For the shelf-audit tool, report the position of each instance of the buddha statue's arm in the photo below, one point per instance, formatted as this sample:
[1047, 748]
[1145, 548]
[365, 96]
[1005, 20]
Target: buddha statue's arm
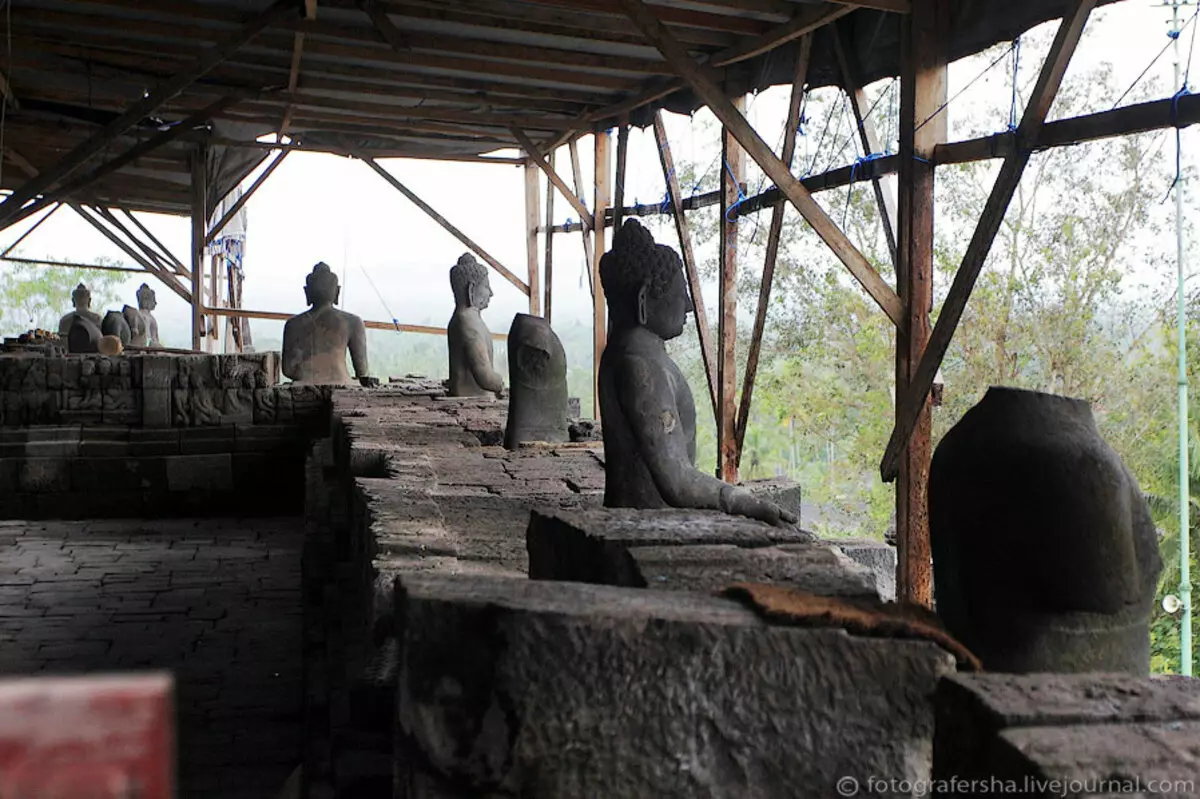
[648, 403]
[358, 350]
[291, 356]
[477, 346]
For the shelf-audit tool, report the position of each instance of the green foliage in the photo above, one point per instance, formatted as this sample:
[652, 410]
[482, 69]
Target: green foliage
[38, 296]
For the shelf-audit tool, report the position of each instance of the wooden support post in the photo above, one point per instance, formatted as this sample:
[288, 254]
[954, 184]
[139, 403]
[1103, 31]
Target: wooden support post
[923, 125]
[703, 81]
[533, 207]
[550, 244]
[535, 157]
[599, 309]
[161, 94]
[911, 402]
[885, 197]
[199, 223]
[441, 220]
[792, 128]
[703, 333]
[245, 198]
[732, 192]
[585, 226]
[622, 156]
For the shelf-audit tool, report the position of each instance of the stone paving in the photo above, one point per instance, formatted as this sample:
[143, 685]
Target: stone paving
[215, 601]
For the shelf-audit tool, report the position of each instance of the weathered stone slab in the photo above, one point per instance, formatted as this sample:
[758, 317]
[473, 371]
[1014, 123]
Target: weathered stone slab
[538, 689]
[878, 557]
[815, 568]
[1067, 727]
[783, 492]
[592, 546]
[199, 472]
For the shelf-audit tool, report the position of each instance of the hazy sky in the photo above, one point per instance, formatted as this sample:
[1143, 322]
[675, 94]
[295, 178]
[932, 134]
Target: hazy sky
[323, 207]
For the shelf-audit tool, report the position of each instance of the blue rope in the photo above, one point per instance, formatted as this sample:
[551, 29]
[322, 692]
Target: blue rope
[863, 161]
[741, 195]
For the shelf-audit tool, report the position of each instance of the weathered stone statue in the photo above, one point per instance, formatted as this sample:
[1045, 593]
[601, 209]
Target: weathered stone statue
[472, 370]
[81, 298]
[115, 324]
[82, 334]
[1045, 556]
[648, 412]
[137, 325]
[147, 302]
[537, 377]
[315, 342]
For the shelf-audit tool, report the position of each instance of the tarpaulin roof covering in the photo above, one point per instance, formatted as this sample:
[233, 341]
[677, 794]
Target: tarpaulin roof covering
[418, 78]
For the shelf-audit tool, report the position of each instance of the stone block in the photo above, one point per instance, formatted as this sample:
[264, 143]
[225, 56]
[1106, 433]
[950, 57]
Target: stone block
[876, 556]
[783, 492]
[250, 437]
[537, 689]
[44, 475]
[592, 546]
[105, 474]
[199, 472]
[1067, 727]
[52, 449]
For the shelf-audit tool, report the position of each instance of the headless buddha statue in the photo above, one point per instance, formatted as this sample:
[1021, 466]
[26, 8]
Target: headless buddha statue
[472, 370]
[648, 411]
[315, 342]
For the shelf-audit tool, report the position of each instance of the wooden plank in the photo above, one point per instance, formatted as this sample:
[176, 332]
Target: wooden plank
[703, 333]
[139, 110]
[391, 34]
[534, 155]
[150, 267]
[245, 198]
[913, 400]
[703, 83]
[199, 219]
[774, 234]
[897, 6]
[803, 23]
[30, 231]
[149, 252]
[885, 197]
[73, 265]
[622, 157]
[732, 191]
[549, 243]
[599, 308]
[577, 175]
[923, 125]
[177, 265]
[9, 95]
[533, 209]
[441, 220]
[398, 327]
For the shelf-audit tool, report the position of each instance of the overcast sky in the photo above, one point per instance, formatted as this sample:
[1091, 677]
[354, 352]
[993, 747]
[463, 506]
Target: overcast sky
[323, 207]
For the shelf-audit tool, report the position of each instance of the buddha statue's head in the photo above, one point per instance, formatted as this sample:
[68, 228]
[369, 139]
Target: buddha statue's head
[145, 298]
[81, 298]
[469, 282]
[644, 283]
[321, 287]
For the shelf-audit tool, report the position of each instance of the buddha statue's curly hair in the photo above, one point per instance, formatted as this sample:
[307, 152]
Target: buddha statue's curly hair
[79, 292]
[464, 274]
[635, 260]
[321, 280]
[144, 293]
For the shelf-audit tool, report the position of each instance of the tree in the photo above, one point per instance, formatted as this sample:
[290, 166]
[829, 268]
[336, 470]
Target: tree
[38, 296]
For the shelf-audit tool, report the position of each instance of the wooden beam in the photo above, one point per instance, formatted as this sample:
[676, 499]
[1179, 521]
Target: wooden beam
[199, 218]
[30, 231]
[577, 175]
[703, 83]
[703, 333]
[177, 265]
[599, 308]
[9, 95]
[139, 110]
[533, 203]
[622, 157]
[775, 233]
[245, 198]
[398, 327]
[149, 252]
[913, 400]
[732, 191]
[73, 265]
[391, 34]
[535, 155]
[885, 197]
[803, 23]
[441, 220]
[549, 243]
[149, 266]
[897, 6]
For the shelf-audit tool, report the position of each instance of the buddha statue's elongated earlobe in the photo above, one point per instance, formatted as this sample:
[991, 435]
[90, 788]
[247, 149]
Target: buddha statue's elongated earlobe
[641, 305]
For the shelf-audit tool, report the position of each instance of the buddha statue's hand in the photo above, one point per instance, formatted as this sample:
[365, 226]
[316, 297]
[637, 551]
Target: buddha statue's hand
[369, 382]
[741, 502]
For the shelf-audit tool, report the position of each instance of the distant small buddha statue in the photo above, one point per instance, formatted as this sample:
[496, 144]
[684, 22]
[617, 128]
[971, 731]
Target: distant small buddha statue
[537, 377]
[81, 298]
[649, 416]
[147, 302]
[315, 342]
[472, 370]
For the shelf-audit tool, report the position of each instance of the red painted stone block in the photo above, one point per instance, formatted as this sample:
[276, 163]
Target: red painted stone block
[95, 737]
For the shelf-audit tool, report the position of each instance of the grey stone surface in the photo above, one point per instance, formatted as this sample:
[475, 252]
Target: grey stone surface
[472, 370]
[785, 493]
[212, 472]
[537, 379]
[876, 556]
[517, 687]
[593, 545]
[315, 342]
[1088, 728]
